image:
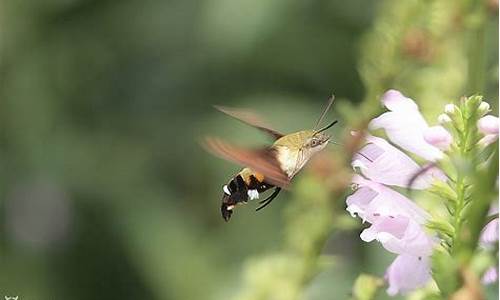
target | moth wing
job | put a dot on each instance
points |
(249, 117)
(259, 160)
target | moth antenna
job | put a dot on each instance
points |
(326, 127)
(325, 110)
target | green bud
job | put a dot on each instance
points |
(483, 109)
(465, 211)
(454, 113)
(441, 226)
(442, 189)
(471, 105)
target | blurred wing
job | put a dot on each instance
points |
(250, 118)
(259, 160)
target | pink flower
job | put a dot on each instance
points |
(373, 200)
(400, 235)
(490, 276)
(405, 126)
(396, 221)
(384, 163)
(406, 273)
(488, 126)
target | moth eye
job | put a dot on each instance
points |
(314, 142)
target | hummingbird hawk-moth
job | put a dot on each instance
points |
(269, 167)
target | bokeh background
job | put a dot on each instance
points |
(105, 191)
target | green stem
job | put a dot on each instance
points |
(458, 210)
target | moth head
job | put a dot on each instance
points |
(319, 139)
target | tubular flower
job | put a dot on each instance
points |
(384, 163)
(373, 200)
(405, 126)
(455, 153)
(396, 221)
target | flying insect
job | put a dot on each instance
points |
(268, 167)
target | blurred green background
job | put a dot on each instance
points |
(105, 192)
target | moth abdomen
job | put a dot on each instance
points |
(246, 185)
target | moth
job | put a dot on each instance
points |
(270, 167)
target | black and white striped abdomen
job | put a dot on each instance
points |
(241, 188)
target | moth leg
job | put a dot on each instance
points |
(269, 199)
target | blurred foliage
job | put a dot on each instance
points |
(366, 286)
(105, 192)
(434, 51)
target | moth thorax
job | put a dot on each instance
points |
(291, 161)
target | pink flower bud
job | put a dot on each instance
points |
(488, 125)
(438, 136)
